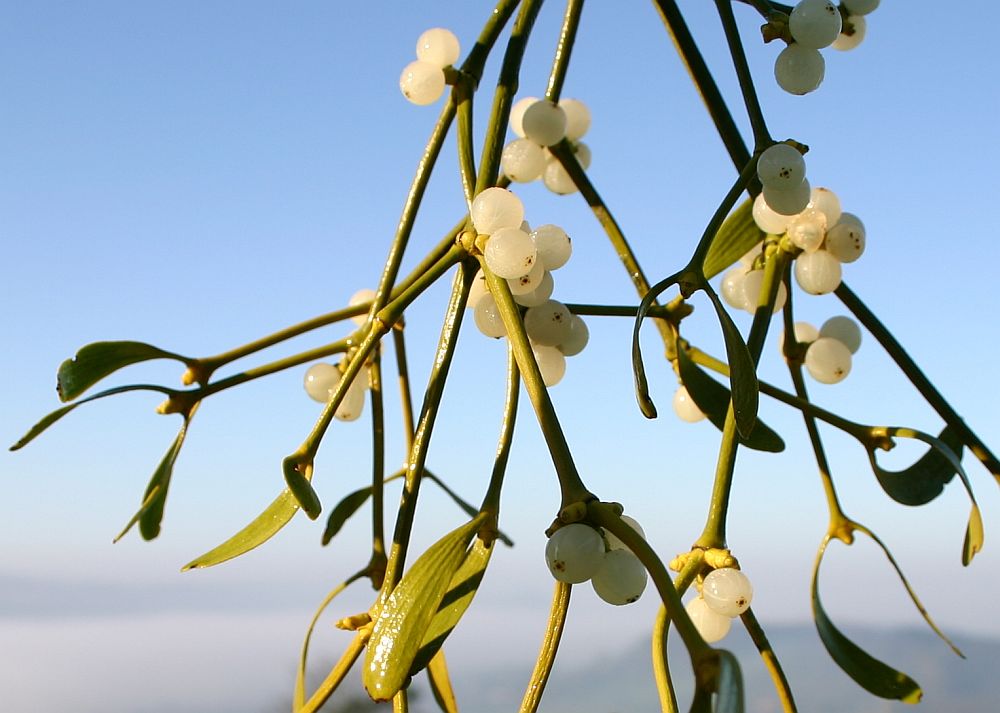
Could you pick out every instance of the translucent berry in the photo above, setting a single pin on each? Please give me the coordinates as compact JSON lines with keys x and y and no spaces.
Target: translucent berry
{"x":557,"y":179}
{"x":517,"y":114}
{"x":753,"y":281}
{"x":620,"y":579}
{"x":711,"y":625}
{"x":510,"y":253}
{"x":814,"y":23}
{"x":551,"y":363}
{"x":826,"y":202}
{"x":522,"y":160}
{"x":578,"y":337}
{"x":807,"y":229}
{"x":798,"y":69}
{"x":845,"y":330}
{"x":685,"y":407}
{"x":732,"y":287}
{"x":487,"y":317}
{"x":422,"y":83}
{"x":553,"y":245}
{"x":727,"y":591}
{"x":817,"y":273}
{"x":548,"y":324}
{"x":544,"y":123}
{"x":767,"y":219}
{"x":541,"y":294}
{"x":851,"y":34}
{"x":614,"y":543}
{"x":582,"y":153}
{"x":439,"y":46}
{"x":320,"y":380}
{"x":790,"y":202}
{"x":781,"y":166}
{"x":577,"y":118}
{"x":527,"y":283}
{"x":360,"y":297}
{"x":860,"y":7}
{"x":478,"y":289}
{"x":805,"y":333}
{"x":828,"y":360}
{"x":353,"y":403}
{"x":846,"y":240}
{"x":496,"y":208}
{"x":574,"y":553}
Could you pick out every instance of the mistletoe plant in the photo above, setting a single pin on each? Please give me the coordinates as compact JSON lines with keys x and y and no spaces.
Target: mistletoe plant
{"x":771,"y":224}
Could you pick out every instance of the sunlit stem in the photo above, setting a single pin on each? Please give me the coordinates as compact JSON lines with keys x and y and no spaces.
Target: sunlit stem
{"x":337,"y":674}
{"x":491,"y":501}
{"x":428,"y":415}
{"x":661,"y":628}
{"x":770,"y":660}
{"x":401,"y":702}
{"x":564,"y":48}
{"x":463,"y":94}
{"x":550,"y":645}
{"x":476,"y":59}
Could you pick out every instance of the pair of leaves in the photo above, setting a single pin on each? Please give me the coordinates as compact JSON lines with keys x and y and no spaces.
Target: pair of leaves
{"x":100,"y":359}
{"x":713,"y":399}
{"x":399,"y":630}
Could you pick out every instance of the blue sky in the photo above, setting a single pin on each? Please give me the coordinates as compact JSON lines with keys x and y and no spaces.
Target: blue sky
{"x":195,"y":175}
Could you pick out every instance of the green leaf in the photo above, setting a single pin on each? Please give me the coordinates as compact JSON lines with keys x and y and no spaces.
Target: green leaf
{"x":924,"y":480}
{"x":461,"y":590}
{"x":406,"y":615}
{"x":713,"y":399}
{"x":343,"y":511}
{"x":638,"y":369}
{"x":259,"y":531}
{"x":742,"y":371}
{"x":437,"y":675}
{"x":299,"y":485}
{"x":150,"y":513}
{"x":868,"y":672}
{"x":737,"y":235}
{"x":95,"y":361}
{"x":729,"y":685}
{"x":51,"y":418}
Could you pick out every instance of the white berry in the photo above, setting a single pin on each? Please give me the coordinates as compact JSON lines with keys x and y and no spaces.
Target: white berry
{"x":685,"y":407}
{"x":711,"y":625}
{"x":845,"y":330}
{"x":805,"y":333}
{"x":439,"y":47}
{"x":818,"y":273}
{"x":852,"y":34}
{"x":544,"y":123}
{"x":781,"y":166}
{"x":522,"y":160}
{"x":574,"y":553}
{"x":553,"y":245}
{"x":548,"y":324}
{"x":620,"y":579}
{"x":807,"y":229}
{"x":798,"y":69}
{"x":814,"y":23}
{"x":578,"y":337}
{"x":527,"y":283}
{"x":478,"y":289}
{"x":320,"y":380}
{"x":517,"y":114}
{"x":358,"y":298}
{"x":353,"y":402}
{"x":551,"y":363}
{"x":860,"y":7}
{"x":828,"y":360}
{"x":788,"y":202}
{"x":614,"y":543}
{"x":846,"y":240}
{"x":753,"y":281}
{"x":732,"y":287}
{"x":422,"y":83}
{"x":727,"y":591}
{"x":510,"y":253}
{"x":541,"y":294}
{"x":826,"y":202}
{"x":577,"y":118}
{"x":767,"y":219}
{"x":557,"y":179}
{"x":496,"y":208}
{"x":487,"y":317}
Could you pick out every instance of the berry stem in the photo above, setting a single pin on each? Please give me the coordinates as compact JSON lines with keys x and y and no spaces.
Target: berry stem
{"x":564,"y":48}
{"x":661,"y":627}
{"x":463,"y":93}
{"x":918,"y":379}
{"x":491,"y":500}
{"x":761,"y":136}
{"x":550,"y":645}
{"x":771,"y":663}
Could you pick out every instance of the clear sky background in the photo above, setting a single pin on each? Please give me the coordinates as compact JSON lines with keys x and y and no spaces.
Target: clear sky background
{"x":196,"y":175}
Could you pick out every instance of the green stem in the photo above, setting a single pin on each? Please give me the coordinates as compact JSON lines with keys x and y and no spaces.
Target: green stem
{"x":661,"y":628}
{"x":564,"y":48}
{"x":491,"y":501}
{"x":463,"y":93}
{"x":406,"y":399}
{"x":918,"y":379}
{"x":550,"y":645}
{"x":378,"y":558}
{"x":428,"y":415}
{"x":475,"y":61}
{"x":401,"y":702}
{"x":770,"y":659}
{"x":761,"y":136}
{"x":336,"y":675}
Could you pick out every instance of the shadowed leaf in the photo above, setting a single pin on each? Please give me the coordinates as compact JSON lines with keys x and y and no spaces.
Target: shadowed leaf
{"x":299,"y":484}
{"x":729,"y":685}
{"x":924,"y":480}
{"x":713,"y":399}
{"x":737,"y":235}
{"x":742,"y":372}
{"x":95,"y":361}
{"x":469,"y":509}
{"x":638,"y":369}
{"x":343,"y":510}
{"x":402,"y":622}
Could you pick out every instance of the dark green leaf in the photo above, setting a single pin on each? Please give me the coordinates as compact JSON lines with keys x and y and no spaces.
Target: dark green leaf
{"x":462,"y":588}
{"x":742,"y":371}
{"x":868,"y":672}
{"x":924,"y":480}
{"x":713,"y":399}
{"x":298,"y":476}
{"x":400,"y":626}
{"x":51,"y":418}
{"x":638,"y":369}
{"x":343,"y":511}
{"x":150,"y":513}
{"x":729,"y":685}
{"x":737,"y":235}
{"x":95,"y":361}
{"x":259,"y":531}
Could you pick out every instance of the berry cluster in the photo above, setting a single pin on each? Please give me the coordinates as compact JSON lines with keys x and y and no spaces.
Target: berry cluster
{"x":725,"y":594}
{"x":814,"y":25}
{"x":830,"y":348}
{"x":422,"y":81}
{"x":577,"y":552}
{"x":539,"y":123}
{"x":525,"y":258}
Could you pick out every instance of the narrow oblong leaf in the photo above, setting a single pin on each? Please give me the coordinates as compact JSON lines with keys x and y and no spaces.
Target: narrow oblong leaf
{"x":729,"y":685}
{"x":742,"y":371}
{"x":260,"y":530}
{"x":437,"y":676}
{"x":713,"y":399}
{"x":873,"y":675}
{"x":925,"y":479}
{"x":51,"y":418}
{"x":403,"y":620}
{"x":96,"y":361}
{"x":461,"y":590}
{"x":154,"y":499}
{"x":343,"y":510}
{"x":299,"y":484}
{"x":638,"y":368}
{"x":737,"y":235}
